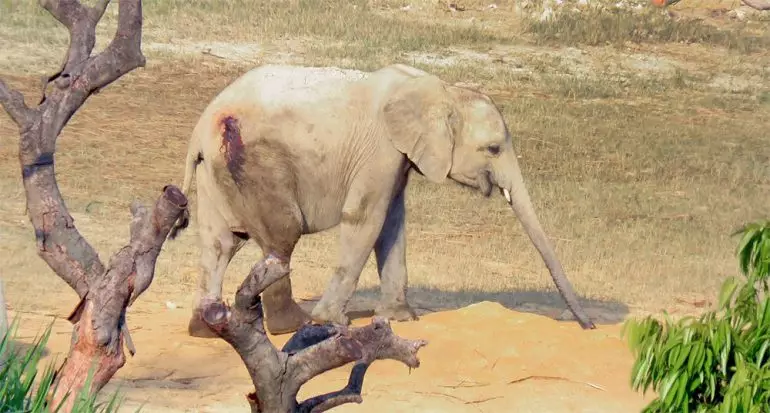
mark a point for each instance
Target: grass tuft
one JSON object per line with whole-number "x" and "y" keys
{"x": 24, "y": 389}
{"x": 349, "y": 22}
{"x": 597, "y": 26}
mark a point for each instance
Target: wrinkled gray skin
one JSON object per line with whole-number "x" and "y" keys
{"x": 285, "y": 151}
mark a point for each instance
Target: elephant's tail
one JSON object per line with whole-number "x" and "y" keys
{"x": 194, "y": 157}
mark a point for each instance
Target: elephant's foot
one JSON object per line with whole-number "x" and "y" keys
{"x": 198, "y": 328}
{"x": 397, "y": 312}
{"x": 323, "y": 314}
{"x": 287, "y": 319}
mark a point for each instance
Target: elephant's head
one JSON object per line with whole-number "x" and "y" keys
{"x": 454, "y": 132}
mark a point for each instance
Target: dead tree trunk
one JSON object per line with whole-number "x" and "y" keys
{"x": 314, "y": 349}
{"x": 99, "y": 319}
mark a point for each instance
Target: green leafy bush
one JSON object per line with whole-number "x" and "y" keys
{"x": 717, "y": 362}
{"x": 18, "y": 372}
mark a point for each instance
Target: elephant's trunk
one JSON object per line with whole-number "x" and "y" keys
{"x": 512, "y": 185}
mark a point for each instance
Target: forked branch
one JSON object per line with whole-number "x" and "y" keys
{"x": 59, "y": 242}
{"x": 99, "y": 318}
{"x": 314, "y": 349}
{"x": 121, "y": 56}
{"x": 13, "y": 103}
{"x": 373, "y": 342}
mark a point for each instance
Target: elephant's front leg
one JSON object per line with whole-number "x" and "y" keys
{"x": 390, "y": 251}
{"x": 359, "y": 228}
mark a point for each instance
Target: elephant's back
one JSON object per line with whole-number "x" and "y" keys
{"x": 275, "y": 97}
{"x": 279, "y": 85}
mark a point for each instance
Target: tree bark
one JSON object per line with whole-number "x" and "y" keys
{"x": 99, "y": 319}
{"x": 314, "y": 349}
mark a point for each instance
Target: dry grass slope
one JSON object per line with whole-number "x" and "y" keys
{"x": 642, "y": 155}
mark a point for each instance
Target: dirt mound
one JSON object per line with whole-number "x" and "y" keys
{"x": 481, "y": 358}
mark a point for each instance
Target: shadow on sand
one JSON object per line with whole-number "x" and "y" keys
{"x": 428, "y": 300}
{"x": 21, "y": 348}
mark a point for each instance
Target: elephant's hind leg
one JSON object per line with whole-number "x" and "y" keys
{"x": 282, "y": 314}
{"x": 218, "y": 246}
{"x": 278, "y": 235}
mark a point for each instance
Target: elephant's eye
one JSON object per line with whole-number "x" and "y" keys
{"x": 493, "y": 149}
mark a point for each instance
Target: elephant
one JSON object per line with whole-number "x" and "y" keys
{"x": 286, "y": 150}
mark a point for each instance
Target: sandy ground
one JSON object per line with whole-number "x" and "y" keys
{"x": 480, "y": 358}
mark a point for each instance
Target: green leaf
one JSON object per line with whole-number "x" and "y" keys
{"x": 695, "y": 357}
{"x": 681, "y": 392}
{"x": 666, "y": 395}
{"x": 764, "y": 318}
{"x": 719, "y": 362}
{"x": 681, "y": 357}
{"x": 20, "y": 371}
{"x": 728, "y": 290}
{"x": 762, "y": 351}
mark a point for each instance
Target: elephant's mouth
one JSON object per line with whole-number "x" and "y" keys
{"x": 482, "y": 182}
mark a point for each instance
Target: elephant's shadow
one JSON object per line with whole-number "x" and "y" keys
{"x": 426, "y": 300}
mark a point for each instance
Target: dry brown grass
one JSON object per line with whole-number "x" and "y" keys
{"x": 640, "y": 169}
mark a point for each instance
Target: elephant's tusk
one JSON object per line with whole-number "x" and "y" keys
{"x": 507, "y": 195}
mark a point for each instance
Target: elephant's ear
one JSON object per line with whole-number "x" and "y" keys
{"x": 418, "y": 119}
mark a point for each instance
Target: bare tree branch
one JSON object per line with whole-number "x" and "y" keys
{"x": 82, "y": 76}
{"x": 81, "y": 23}
{"x": 101, "y": 313}
{"x": 758, "y": 4}
{"x": 99, "y": 319}
{"x": 374, "y": 342}
{"x": 278, "y": 375}
{"x": 350, "y": 394}
{"x": 244, "y": 330}
{"x": 122, "y": 55}
{"x": 13, "y": 103}
{"x": 329, "y": 354}
{"x": 97, "y": 11}
{"x": 59, "y": 242}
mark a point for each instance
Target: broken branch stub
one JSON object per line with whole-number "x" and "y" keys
{"x": 278, "y": 375}
{"x": 100, "y": 325}
{"x": 99, "y": 319}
